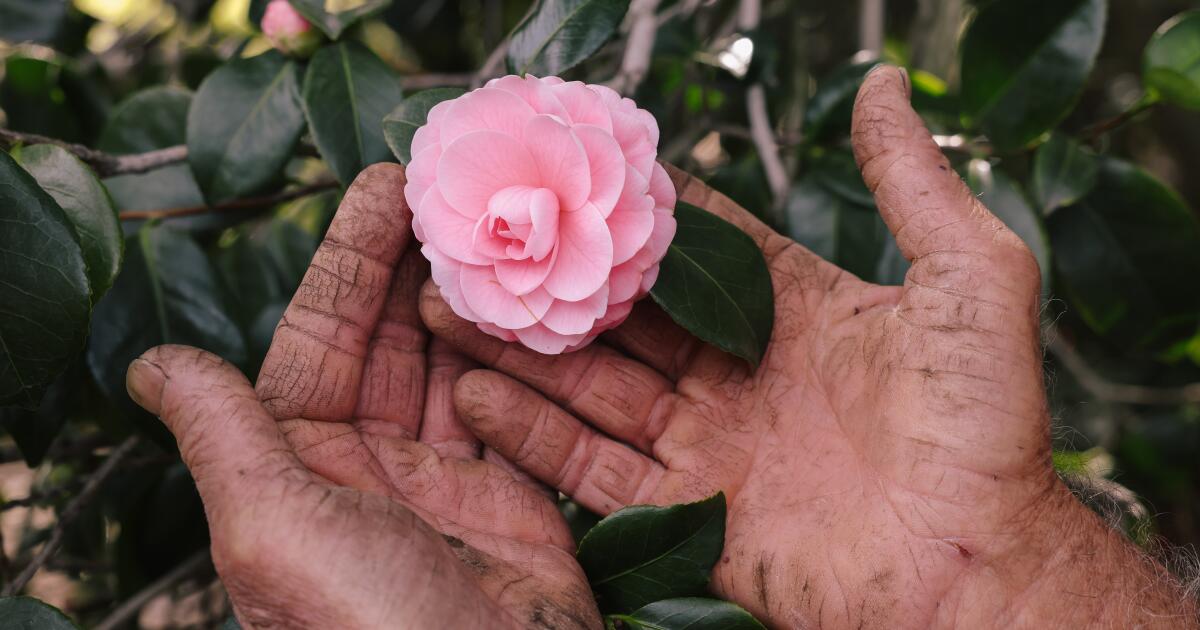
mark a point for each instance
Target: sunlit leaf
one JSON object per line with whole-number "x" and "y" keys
{"x": 1169, "y": 65}
{"x": 1063, "y": 172}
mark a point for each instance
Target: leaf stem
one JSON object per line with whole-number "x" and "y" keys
{"x": 248, "y": 203}
{"x": 1145, "y": 102}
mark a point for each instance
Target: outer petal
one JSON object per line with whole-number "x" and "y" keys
{"x": 625, "y": 282}
{"x": 485, "y": 108}
{"x": 574, "y": 318}
{"x": 583, "y": 106}
{"x": 447, "y": 230}
{"x": 561, "y": 160}
{"x": 662, "y": 189}
{"x": 421, "y": 174}
{"x": 546, "y": 341}
{"x": 431, "y": 132}
{"x": 633, "y": 219}
{"x": 606, "y": 164}
{"x": 496, "y": 331}
{"x": 445, "y": 272}
{"x": 523, "y": 276}
{"x": 534, "y": 91}
{"x": 477, "y": 165}
{"x": 585, "y": 254}
{"x": 495, "y": 304}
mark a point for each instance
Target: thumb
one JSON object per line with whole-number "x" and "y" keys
{"x": 954, "y": 242}
{"x": 228, "y": 441}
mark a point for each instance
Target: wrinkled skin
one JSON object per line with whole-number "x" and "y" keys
{"x": 345, "y": 493}
{"x": 887, "y": 465}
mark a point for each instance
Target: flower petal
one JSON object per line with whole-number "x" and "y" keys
{"x": 537, "y": 92}
{"x": 662, "y": 189}
{"x": 574, "y": 318}
{"x": 431, "y": 132}
{"x": 520, "y": 277}
{"x": 633, "y": 218}
{"x": 585, "y": 254}
{"x": 486, "y": 108}
{"x": 546, "y": 341}
{"x": 487, "y": 245}
{"x": 447, "y": 230}
{"x": 421, "y": 174}
{"x": 477, "y": 165}
{"x": 583, "y": 106}
{"x": 561, "y": 160}
{"x": 495, "y": 304}
{"x": 445, "y": 272}
{"x": 606, "y": 165}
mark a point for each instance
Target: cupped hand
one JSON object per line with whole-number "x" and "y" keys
{"x": 888, "y": 463}
{"x": 345, "y": 493}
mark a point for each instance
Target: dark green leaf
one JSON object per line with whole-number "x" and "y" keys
{"x": 714, "y": 282}
{"x": 642, "y": 554}
{"x": 332, "y": 23}
{"x": 691, "y": 613}
{"x": 45, "y": 96}
{"x": 559, "y": 34}
{"x": 163, "y": 528}
{"x": 155, "y": 118}
{"x": 231, "y": 624}
{"x": 86, "y": 203}
{"x": 400, "y": 125}
{"x": 1124, "y": 253}
{"x": 1170, "y": 69}
{"x": 27, "y": 613}
{"x": 31, "y": 20}
{"x": 45, "y": 300}
{"x": 167, "y": 293}
{"x": 347, "y": 92}
{"x": 1004, "y": 198}
{"x": 243, "y": 124}
{"x": 34, "y": 430}
{"x": 836, "y": 226}
{"x": 828, "y": 111}
{"x": 1063, "y": 172}
{"x": 1024, "y": 63}
{"x": 257, "y": 9}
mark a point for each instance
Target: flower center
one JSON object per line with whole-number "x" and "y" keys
{"x": 521, "y": 223}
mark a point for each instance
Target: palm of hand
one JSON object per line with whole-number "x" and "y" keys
{"x": 890, "y": 436}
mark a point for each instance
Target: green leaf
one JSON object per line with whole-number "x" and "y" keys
{"x": 557, "y": 35}
{"x": 400, "y": 125}
{"x": 231, "y": 624}
{"x": 1004, "y": 198}
{"x": 333, "y": 17}
{"x": 1024, "y": 63}
{"x": 836, "y": 227}
{"x": 167, "y": 293}
{"x": 34, "y": 430}
{"x": 256, "y": 11}
{"x": 1124, "y": 254}
{"x": 1063, "y": 172}
{"x": 243, "y": 124}
{"x": 828, "y": 111}
{"x": 27, "y": 613}
{"x": 347, "y": 92}
{"x": 642, "y": 553}
{"x": 154, "y": 118}
{"x": 690, "y": 613}
{"x": 45, "y": 96}
{"x": 31, "y": 20}
{"x": 714, "y": 282}
{"x": 45, "y": 300}
{"x": 1171, "y": 62}
{"x": 86, "y": 203}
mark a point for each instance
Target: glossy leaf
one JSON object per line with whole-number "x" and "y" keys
{"x": 557, "y": 35}
{"x": 86, "y": 203}
{"x": 1123, "y": 253}
{"x": 154, "y": 118}
{"x": 1169, "y": 65}
{"x": 31, "y": 20}
{"x": 347, "y": 92}
{"x": 827, "y": 113}
{"x": 346, "y": 12}
{"x": 642, "y": 553}
{"x": 27, "y": 613}
{"x": 33, "y": 430}
{"x": 1024, "y": 63}
{"x": 690, "y": 613}
{"x": 45, "y": 299}
{"x": 836, "y": 227}
{"x": 400, "y": 125}
{"x": 1005, "y": 199}
{"x": 1063, "y": 172}
{"x": 167, "y": 293}
{"x": 243, "y": 124}
{"x": 714, "y": 282}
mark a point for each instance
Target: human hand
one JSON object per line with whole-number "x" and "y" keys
{"x": 888, "y": 463}
{"x": 346, "y": 494}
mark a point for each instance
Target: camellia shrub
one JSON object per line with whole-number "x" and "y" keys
{"x": 170, "y": 167}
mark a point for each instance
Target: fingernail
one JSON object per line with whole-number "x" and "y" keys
{"x": 907, "y": 82}
{"x": 144, "y": 382}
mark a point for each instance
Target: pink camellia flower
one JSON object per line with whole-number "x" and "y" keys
{"x": 288, "y": 31}
{"x": 541, "y": 208}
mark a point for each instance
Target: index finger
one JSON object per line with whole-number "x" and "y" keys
{"x": 314, "y": 367}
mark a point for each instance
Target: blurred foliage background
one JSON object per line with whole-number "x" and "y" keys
{"x": 1058, "y": 115}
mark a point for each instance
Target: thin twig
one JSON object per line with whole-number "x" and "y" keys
{"x": 491, "y": 66}
{"x": 749, "y": 13}
{"x": 639, "y": 46}
{"x": 1109, "y": 391}
{"x": 249, "y": 203}
{"x": 105, "y": 164}
{"x": 1099, "y": 129}
{"x": 69, "y": 514}
{"x": 35, "y": 498}
{"x": 425, "y": 81}
{"x": 198, "y": 562}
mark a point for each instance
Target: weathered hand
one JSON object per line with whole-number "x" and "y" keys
{"x": 887, "y": 465}
{"x": 345, "y": 493}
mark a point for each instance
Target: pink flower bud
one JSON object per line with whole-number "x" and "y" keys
{"x": 288, "y": 31}
{"x": 542, "y": 210}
